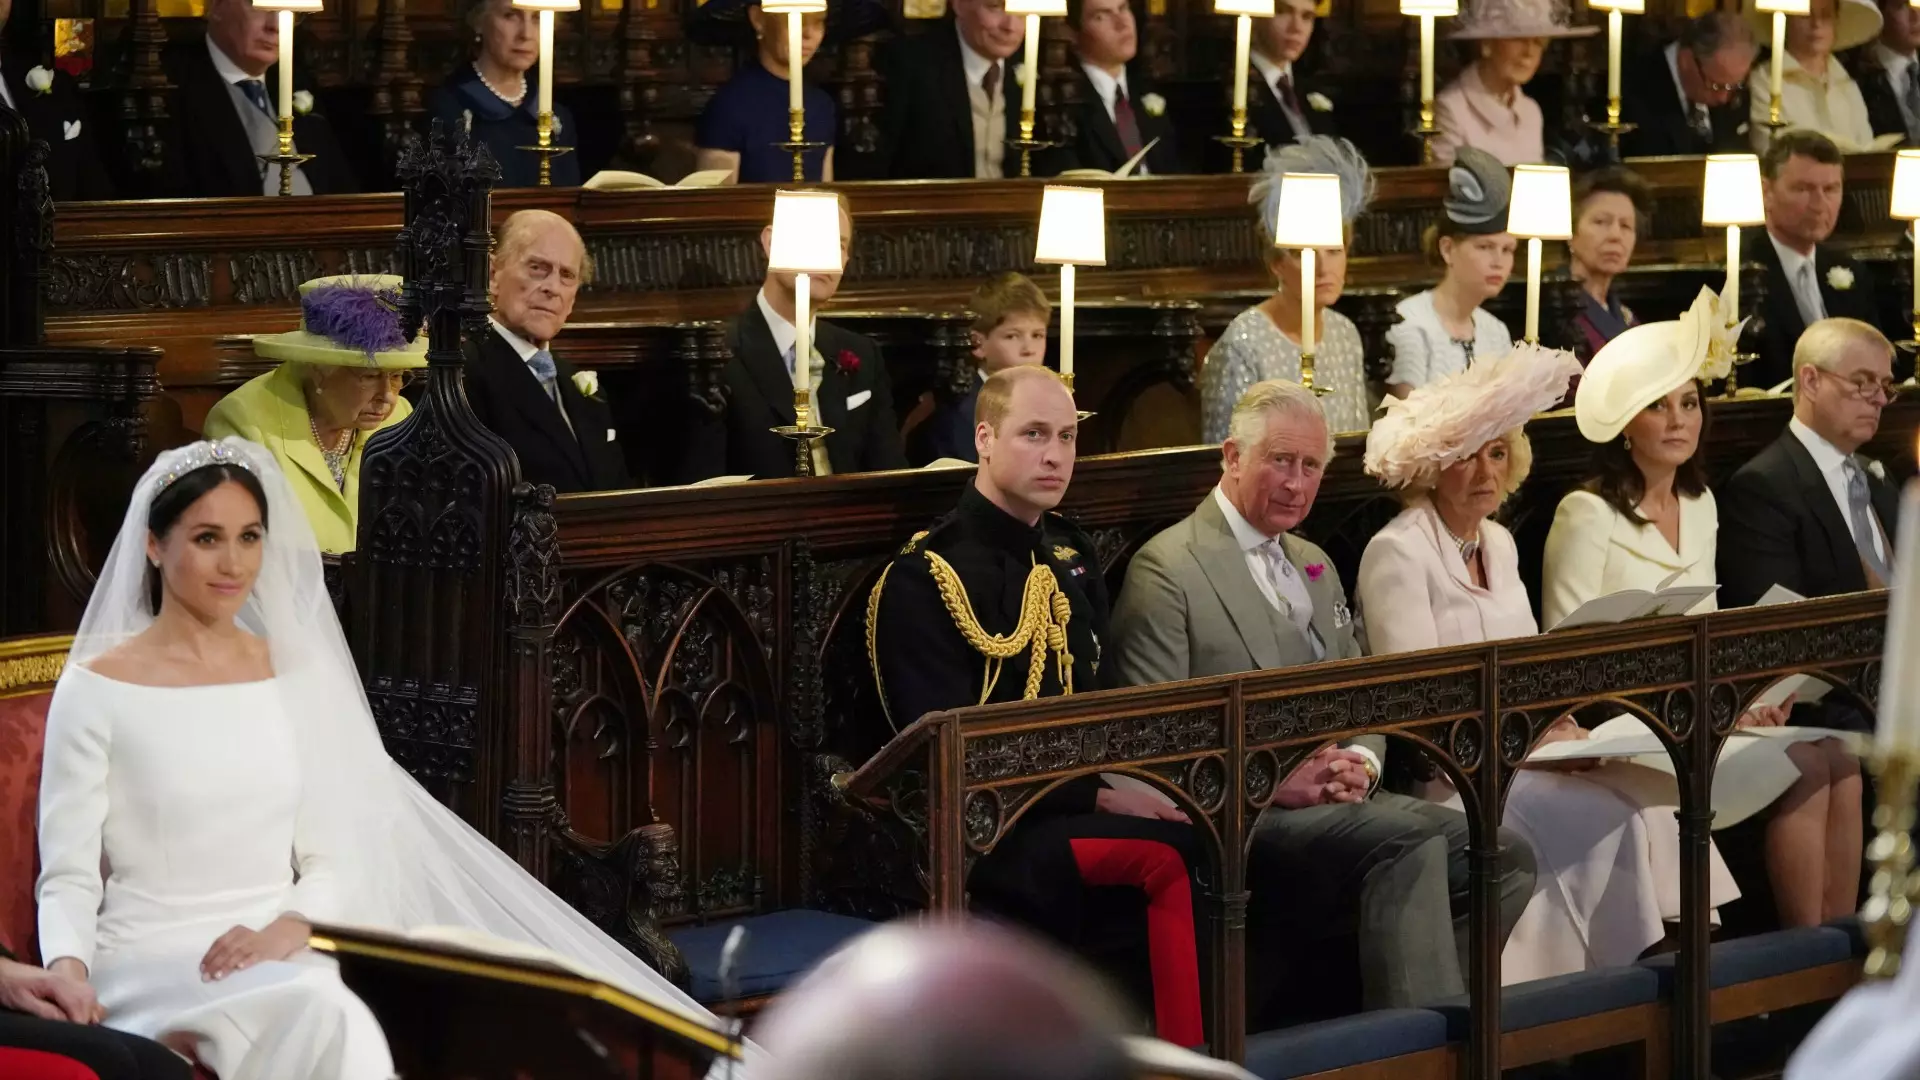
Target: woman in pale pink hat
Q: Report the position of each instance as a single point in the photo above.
(1486, 107)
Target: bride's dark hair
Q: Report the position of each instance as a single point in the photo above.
(173, 500)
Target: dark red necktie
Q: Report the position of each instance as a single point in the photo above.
(1284, 84)
(1124, 121)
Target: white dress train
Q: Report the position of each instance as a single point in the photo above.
(168, 816)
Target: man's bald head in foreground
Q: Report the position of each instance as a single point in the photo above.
(943, 1001)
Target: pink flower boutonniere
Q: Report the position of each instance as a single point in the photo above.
(1314, 570)
(848, 362)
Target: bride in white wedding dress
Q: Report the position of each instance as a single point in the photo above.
(213, 781)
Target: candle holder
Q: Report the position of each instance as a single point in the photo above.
(1239, 142)
(1027, 144)
(284, 156)
(797, 143)
(803, 431)
(1894, 887)
(1779, 9)
(1244, 12)
(806, 241)
(1616, 10)
(545, 148)
(1427, 11)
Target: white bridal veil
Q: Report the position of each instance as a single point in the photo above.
(406, 860)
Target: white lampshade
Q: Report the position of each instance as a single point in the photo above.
(1906, 186)
(1542, 205)
(1441, 8)
(1259, 9)
(287, 5)
(1073, 226)
(1309, 214)
(806, 233)
(1036, 7)
(548, 5)
(1789, 7)
(1730, 195)
(783, 7)
(1629, 7)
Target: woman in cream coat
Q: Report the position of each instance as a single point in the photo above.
(1647, 516)
(1443, 573)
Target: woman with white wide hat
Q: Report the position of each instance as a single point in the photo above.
(1819, 93)
(1646, 517)
(1485, 106)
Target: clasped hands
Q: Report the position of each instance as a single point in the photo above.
(57, 993)
(1332, 775)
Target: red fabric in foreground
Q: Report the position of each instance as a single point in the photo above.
(1159, 871)
(40, 1065)
(23, 730)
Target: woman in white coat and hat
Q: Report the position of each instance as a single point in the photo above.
(1819, 94)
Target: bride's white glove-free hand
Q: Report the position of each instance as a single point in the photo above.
(49, 995)
(241, 948)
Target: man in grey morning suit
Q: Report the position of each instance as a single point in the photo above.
(1227, 590)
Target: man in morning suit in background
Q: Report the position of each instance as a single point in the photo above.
(1230, 589)
(1118, 113)
(50, 102)
(1078, 864)
(1280, 108)
(852, 394)
(952, 101)
(1809, 512)
(1888, 77)
(1689, 96)
(1801, 185)
(558, 427)
(225, 113)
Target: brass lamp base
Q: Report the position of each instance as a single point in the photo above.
(1239, 144)
(803, 436)
(798, 148)
(288, 161)
(1426, 131)
(1028, 147)
(547, 154)
(1612, 129)
(1894, 887)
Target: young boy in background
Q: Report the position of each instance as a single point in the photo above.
(1010, 318)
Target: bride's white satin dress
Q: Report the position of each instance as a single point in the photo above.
(168, 816)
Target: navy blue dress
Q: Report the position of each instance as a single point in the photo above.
(748, 116)
(465, 104)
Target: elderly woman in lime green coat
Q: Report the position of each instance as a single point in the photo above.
(338, 382)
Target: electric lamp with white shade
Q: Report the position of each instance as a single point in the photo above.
(1244, 12)
(1730, 197)
(1032, 10)
(1895, 759)
(1780, 9)
(543, 118)
(1906, 207)
(796, 143)
(1541, 209)
(1073, 232)
(1309, 218)
(1427, 11)
(1616, 11)
(284, 155)
(806, 241)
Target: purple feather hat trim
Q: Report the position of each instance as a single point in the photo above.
(354, 317)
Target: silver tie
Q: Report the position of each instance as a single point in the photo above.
(1860, 508)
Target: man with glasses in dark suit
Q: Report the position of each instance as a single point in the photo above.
(1689, 97)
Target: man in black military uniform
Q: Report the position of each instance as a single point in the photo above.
(1003, 600)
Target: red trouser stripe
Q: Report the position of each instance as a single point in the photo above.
(40, 1065)
(1159, 871)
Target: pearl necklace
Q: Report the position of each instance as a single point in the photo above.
(1468, 548)
(514, 99)
(336, 457)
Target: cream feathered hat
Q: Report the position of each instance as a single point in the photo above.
(1446, 422)
(1647, 362)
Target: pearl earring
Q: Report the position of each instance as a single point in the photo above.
(1626, 441)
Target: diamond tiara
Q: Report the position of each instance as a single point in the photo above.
(198, 456)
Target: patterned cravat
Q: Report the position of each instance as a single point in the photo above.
(256, 92)
(990, 82)
(1860, 508)
(1125, 122)
(541, 364)
(1702, 121)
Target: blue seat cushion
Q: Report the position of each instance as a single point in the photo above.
(780, 946)
(1347, 1041)
(1856, 936)
(1563, 997)
(1762, 956)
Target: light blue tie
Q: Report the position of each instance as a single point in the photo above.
(541, 364)
(256, 92)
(1860, 509)
(787, 357)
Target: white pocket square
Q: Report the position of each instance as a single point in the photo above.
(612, 434)
(72, 129)
(856, 400)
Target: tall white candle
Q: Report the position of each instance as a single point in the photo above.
(1242, 43)
(1066, 320)
(1730, 296)
(1614, 20)
(1306, 300)
(1426, 61)
(546, 61)
(286, 64)
(802, 334)
(1899, 709)
(1779, 58)
(1533, 289)
(794, 62)
(1032, 67)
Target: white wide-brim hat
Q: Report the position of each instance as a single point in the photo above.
(1487, 20)
(1647, 362)
(348, 320)
(1856, 22)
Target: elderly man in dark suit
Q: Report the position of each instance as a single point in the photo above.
(1802, 186)
(953, 99)
(1119, 113)
(1230, 589)
(225, 113)
(852, 394)
(1689, 97)
(1809, 513)
(553, 417)
(49, 101)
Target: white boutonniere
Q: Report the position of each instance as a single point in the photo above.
(1878, 471)
(557, 125)
(1154, 104)
(1020, 75)
(40, 81)
(587, 382)
(466, 121)
(1319, 102)
(1840, 278)
(303, 102)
